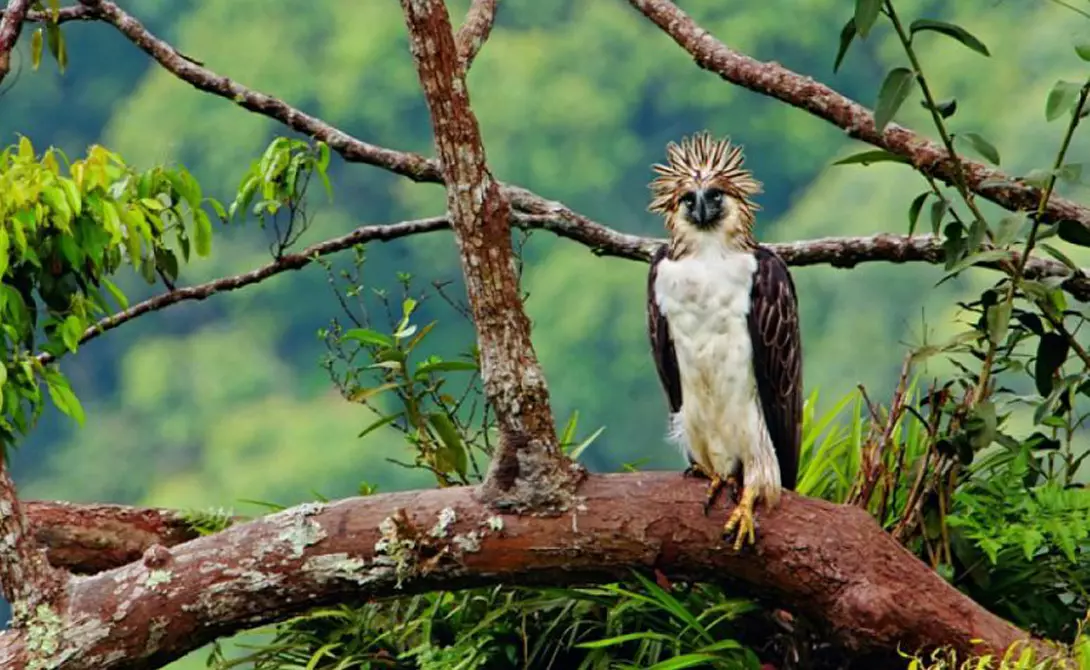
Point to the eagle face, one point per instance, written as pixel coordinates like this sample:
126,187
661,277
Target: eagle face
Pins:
704,207
708,211
704,193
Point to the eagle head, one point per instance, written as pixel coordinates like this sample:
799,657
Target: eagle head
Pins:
704,190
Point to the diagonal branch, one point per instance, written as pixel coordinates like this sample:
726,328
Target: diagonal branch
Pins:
11,26
776,81
529,470
830,563
284,263
475,30
409,165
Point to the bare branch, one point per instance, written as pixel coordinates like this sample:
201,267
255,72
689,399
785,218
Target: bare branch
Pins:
529,470
11,26
840,252
64,15
475,30
828,562
774,80
284,263
822,102
27,579
408,165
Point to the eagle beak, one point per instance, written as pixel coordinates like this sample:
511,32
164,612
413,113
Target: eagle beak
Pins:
704,212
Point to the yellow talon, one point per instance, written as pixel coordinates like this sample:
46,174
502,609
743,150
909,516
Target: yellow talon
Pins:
742,520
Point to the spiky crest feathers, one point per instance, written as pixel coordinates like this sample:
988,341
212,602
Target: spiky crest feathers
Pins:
702,162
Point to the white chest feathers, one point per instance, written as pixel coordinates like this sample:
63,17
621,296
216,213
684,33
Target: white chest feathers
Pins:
706,301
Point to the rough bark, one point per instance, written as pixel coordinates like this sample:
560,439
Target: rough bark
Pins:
825,561
27,579
475,30
11,26
85,539
776,81
528,471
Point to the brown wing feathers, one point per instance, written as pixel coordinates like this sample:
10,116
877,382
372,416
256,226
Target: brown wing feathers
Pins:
777,359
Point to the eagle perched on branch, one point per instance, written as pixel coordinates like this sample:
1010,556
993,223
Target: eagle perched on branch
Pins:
724,328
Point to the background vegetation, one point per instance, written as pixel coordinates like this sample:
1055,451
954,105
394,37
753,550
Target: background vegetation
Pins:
575,99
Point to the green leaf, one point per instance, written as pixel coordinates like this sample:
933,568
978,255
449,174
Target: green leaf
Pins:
1008,228
1051,354
362,395
568,434
896,87
218,207
989,256
945,108
379,424
61,394
999,317
684,661
121,298
914,210
444,366
71,332
365,336
628,637
202,232
1061,99
36,49
1059,255
1073,232
55,40
984,421
938,210
983,147
872,156
454,457
847,34
1083,51
866,13
950,30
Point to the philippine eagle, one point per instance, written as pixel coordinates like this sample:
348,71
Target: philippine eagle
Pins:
724,328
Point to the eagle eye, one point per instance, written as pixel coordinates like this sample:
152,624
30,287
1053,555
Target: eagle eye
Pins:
715,195
689,199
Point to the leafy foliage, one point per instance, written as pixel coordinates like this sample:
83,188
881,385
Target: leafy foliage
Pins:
66,227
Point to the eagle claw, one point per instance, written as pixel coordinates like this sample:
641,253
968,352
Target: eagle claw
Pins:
742,520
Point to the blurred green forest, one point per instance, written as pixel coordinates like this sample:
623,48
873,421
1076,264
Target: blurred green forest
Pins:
215,403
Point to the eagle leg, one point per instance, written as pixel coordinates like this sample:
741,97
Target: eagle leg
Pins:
716,485
695,470
741,519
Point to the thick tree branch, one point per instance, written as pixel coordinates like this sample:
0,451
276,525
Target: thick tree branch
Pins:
85,539
475,30
828,562
11,26
529,470
774,80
